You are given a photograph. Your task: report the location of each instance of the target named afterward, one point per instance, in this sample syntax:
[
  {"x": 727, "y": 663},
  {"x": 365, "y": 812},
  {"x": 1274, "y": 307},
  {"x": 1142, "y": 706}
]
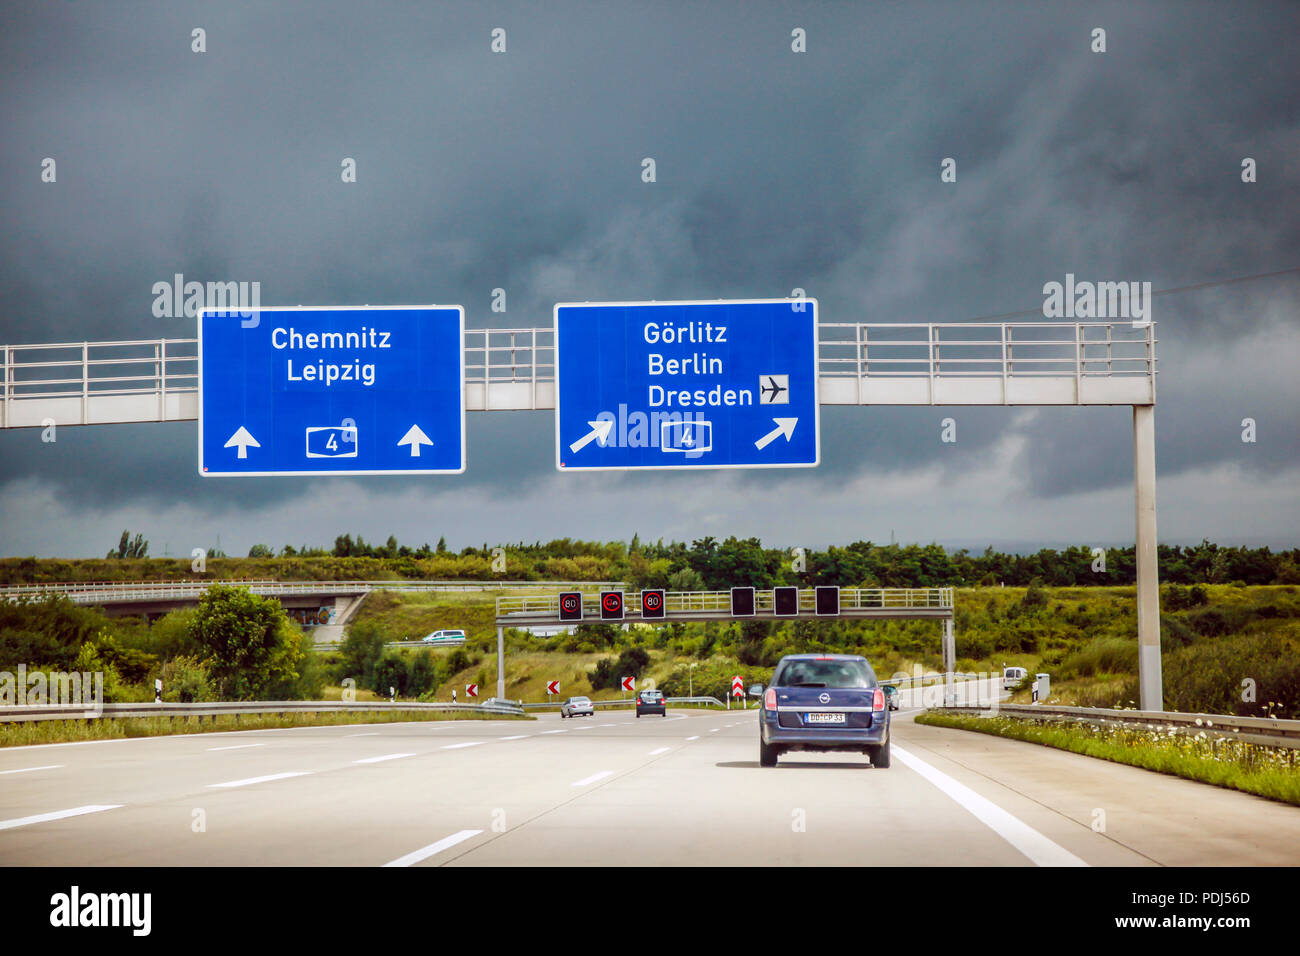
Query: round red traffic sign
[{"x": 612, "y": 601}]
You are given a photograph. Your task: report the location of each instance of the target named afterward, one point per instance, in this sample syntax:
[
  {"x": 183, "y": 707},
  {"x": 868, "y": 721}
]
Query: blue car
[{"x": 824, "y": 702}]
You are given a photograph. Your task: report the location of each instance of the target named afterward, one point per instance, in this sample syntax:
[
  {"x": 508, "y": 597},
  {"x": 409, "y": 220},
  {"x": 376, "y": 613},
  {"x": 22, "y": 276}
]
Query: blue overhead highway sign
[
  {"x": 721, "y": 384},
  {"x": 373, "y": 390}
]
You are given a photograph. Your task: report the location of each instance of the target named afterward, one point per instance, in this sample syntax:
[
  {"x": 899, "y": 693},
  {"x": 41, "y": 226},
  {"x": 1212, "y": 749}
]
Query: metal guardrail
[
  {"x": 82, "y": 592},
  {"x": 712, "y": 701},
  {"x": 987, "y": 349},
  {"x": 1269, "y": 731},
  {"x": 719, "y": 602},
  {"x": 17, "y": 714},
  {"x": 89, "y": 383}
]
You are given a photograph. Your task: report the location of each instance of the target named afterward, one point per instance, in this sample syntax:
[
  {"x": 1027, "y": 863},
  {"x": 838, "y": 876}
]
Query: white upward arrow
[
  {"x": 415, "y": 438},
  {"x": 599, "y": 431},
  {"x": 784, "y": 426},
  {"x": 242, "y": 440}
]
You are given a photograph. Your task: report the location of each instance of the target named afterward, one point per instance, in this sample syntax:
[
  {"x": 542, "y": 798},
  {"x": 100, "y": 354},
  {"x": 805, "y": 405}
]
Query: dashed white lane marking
[
  {"x": 237, "y": 747},
  {"x": 56, "y": 815},
  {"x": 714, "y": 730},
  {"x": 661, "y": 750},
  {"x": 424, "y": 853},
  {"x": 52, "y": 766},
  {"x": 593, "y": 778},
  {"x": 696, "y": 737},
  {"x": 383, "y": 758},
  {"x": 266, "y": 779},
  {"x": 468, "y": 743},
  {"x": 1038, "y": 848},
  {"x": 373, "y": 733},
  {"x": 515, "y": 737},
  {"x": 555, "y": 731}
]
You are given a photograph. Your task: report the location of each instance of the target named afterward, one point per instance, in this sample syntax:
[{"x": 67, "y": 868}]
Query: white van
[{"x": 1011, "y": 676}]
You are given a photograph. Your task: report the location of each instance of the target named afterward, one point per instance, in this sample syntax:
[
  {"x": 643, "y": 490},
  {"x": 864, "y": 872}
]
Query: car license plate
[{"x": 826, "y": 718}]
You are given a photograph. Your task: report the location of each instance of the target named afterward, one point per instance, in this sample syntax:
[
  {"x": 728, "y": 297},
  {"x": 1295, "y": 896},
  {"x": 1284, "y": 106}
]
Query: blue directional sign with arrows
[
  {"x": 374, "y": 390},
  {"x": 721, "y": 384}
]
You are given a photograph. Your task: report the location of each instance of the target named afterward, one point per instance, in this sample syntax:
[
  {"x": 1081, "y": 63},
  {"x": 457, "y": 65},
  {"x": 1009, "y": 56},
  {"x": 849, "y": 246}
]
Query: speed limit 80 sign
[
  {"x": 571, "y": 606},
  {"x": 611, "y": 605}
]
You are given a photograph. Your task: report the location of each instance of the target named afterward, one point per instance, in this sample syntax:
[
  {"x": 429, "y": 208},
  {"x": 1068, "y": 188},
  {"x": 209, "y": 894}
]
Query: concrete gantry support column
[
  {"x": 1150, "y": 685},
  {"x": 501, "y": 662},
  {"x": 949, "y": 663}
]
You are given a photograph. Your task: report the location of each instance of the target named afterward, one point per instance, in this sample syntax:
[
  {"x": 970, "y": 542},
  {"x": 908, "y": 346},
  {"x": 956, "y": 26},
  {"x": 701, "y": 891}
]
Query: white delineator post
[
  {"x": 501, "y": 662},
  {"x": 1150, "y": 685}
]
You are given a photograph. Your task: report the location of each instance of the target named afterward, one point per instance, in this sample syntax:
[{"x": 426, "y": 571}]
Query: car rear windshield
[
  {"x": 580, "y": 700},
  {"x": 828, "y": 673}
]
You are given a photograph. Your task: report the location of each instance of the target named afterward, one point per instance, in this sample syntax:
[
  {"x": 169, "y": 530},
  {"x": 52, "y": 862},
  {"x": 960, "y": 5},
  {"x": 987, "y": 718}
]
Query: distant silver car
[
  {"x": 891, "y": 696},
  {"x": 577, "y": 707}
]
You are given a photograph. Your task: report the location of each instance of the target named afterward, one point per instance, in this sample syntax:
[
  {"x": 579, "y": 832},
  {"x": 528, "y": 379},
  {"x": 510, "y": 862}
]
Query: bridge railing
[
  {"x": 84, "y": 591},
  {"x": 980, "y": 362}
]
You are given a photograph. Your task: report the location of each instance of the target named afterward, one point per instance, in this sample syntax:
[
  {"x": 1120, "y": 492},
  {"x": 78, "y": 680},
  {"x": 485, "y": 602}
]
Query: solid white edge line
[
  {"x": 1039, "y": 849},
  {"x": 56, "y": 815},
  {"x": 383, "y": 758},
  {"x": 424, "y": 853},
  {"x": 269, "y": 777},
  {"x": 593, "y": 778},
  {"x": 661, "y": 750},
  {"x": 53, "y": 766}
]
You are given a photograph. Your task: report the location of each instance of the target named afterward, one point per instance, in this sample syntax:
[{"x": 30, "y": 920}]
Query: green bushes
[
  {"x": 608, "y": 674},
  {"x": 185, "y": 680},
  {"x": 1104, "y": 655},
  {"x": 1251, "y": 675}
]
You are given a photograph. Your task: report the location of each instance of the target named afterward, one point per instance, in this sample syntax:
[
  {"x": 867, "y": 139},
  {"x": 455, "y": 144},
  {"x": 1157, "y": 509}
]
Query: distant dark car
[
  {"x": 824, "y": 702},
  {"x": 651, "y": 702}
]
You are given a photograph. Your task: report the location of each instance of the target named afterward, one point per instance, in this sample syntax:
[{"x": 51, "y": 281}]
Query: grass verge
[
  {"x": 120, "y": 728},
  {"x": 1269, "y": 772}
]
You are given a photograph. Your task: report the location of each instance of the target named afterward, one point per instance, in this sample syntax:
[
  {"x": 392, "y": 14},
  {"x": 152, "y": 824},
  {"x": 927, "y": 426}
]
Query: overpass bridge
[
  {"x": 1046, "y": 363},
  {"x": 325, "y": 605}
]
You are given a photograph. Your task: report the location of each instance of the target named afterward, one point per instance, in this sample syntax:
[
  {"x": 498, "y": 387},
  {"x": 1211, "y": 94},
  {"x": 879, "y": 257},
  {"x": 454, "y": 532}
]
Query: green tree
[
  {"x": 360, "y": 651},
  {"x": 261, "y": 551},
  {"x": 248, "y": 643}
]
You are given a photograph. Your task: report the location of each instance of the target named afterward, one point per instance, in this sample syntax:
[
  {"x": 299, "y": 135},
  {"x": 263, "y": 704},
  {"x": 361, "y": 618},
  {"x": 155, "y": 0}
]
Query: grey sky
[{"x": 775, "y": 170}]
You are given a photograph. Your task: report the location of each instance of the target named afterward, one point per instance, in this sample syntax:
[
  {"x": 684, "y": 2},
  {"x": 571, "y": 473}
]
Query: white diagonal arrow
[
  {"x": 599, "y": 431},
  {"x": 415, "y": 437},
  {"x": 784, "y": 426},
  {"x": 242, "y": 440}
]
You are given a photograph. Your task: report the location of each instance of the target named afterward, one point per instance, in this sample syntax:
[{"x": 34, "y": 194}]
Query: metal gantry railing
[
  {"x": 859, "y": 363},
  {"x": 686, "y": 603}
]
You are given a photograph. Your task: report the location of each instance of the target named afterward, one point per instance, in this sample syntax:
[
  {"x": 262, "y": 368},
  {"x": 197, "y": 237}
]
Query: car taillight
[
  {"x": 769, "y": 699},
  {"x": 878, "y": 703}
]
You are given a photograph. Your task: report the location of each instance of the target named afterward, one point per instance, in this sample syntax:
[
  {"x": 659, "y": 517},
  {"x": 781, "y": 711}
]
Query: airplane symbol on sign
[{"x": 770, "y": 393}]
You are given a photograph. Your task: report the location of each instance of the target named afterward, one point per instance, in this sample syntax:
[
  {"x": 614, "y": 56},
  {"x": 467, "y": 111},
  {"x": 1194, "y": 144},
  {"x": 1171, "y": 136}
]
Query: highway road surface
[{"x": 612, "y": 789}]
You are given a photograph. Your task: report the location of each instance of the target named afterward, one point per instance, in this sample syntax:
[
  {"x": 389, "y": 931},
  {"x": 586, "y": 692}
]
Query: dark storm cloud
[{"x": 775, "y": 170}]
